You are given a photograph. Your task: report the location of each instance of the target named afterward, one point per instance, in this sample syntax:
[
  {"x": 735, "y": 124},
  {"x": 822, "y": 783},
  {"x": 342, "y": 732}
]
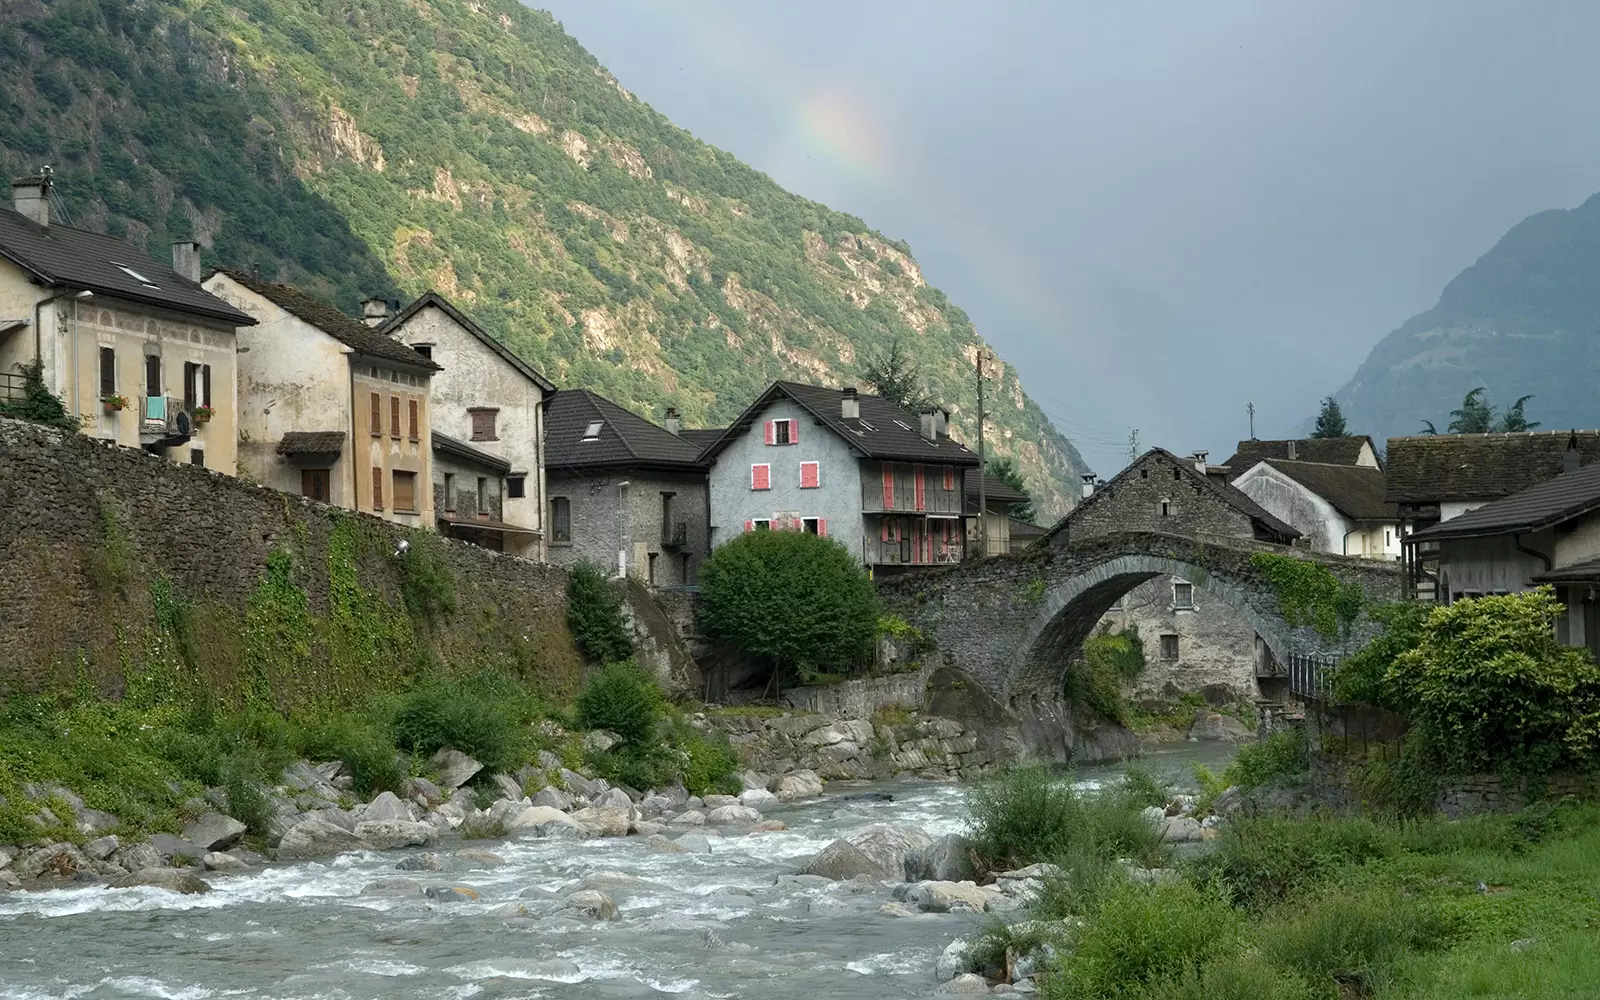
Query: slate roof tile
[
  {"x": 1356, "y": 491},
  {"x": 1429, "y": 468},
  {"x": 622, "y": 439},
  {"x": 353, "y": 333},
  {"x": 1538, "y": 506},
  {"x": 884, "y": 430},
  {"x": 1332, "y": 451}
]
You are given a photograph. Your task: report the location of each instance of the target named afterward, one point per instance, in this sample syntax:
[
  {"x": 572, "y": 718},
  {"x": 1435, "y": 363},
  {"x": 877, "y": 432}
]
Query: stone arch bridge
[{"x": 1013, "y": 624}]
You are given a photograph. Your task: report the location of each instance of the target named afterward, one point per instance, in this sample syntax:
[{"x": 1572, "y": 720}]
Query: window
[
  {"x": 783, "y": 432},
  {"x": 191, "y": 385},
  {"x": 1183, "y": 596},
  {"x": 426, "y": 350},
  {"x": 314, "y": 484},
  {"x": 394, "y": 416},
  {"x": 1385, "y": 537},
  {"x": 761, "y": 477},
  {"x": 1169, "y": 647},
  {"x": 1144, "y": 473},
  {"x": 759, "y": 524},
  {"x": 449, "y": 491},
  {"x": 483, "y": 496},
  {"x": 516, "y": 487},
  {"x": 205, "y": 384},
  {"x": 414, "y": 406},
  {"x": 197, "y": 456},
  {"x": 152, "y": 374},
  {"x": 135, "y": 275},
  {"x": 376, "y": 417},
  {"x": 483, "y": 424},
  {"x": 812, "y": 525},
  {"x": 108, "y": 371},
  {"x": 903, "y": 425},
  {"x": 560, "y": 520},
  {"x": 1167, "y": 508},
  {"x": 1177, "y": 475},
  {"x": 666, "y": 514},
  {"x": 651, "y": 573},
  {"x": 592, "y": 432},
  {"x": 810, "y": 475},
  {"x": 377, "y": 488},
  {"x": 405, "y": 491}
]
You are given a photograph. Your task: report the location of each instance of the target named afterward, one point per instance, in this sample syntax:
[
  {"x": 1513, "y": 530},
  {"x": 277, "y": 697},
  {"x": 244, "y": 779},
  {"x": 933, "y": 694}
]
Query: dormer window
[{"x": 592, "y": 432}]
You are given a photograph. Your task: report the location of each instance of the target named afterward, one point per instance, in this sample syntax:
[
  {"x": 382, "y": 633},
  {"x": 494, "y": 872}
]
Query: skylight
[
  {"x": 592, "y": 432},
  {"x": 135, "y": 275},
  {"x": 870, "y": 427},
  {"x": 903, "y": 425}
]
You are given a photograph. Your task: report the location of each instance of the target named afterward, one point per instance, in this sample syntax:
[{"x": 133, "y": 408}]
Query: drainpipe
[
  {"x": 1345, "y": 544},
  {"x": 350, "y": 367},
  {"x": 1516, "y": 543}
]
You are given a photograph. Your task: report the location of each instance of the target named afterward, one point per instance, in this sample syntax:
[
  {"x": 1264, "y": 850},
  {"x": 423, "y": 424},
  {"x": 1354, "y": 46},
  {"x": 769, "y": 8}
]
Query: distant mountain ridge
[
  {"x": 1524, "y": 319},
  {"x": 359, "y": 147}
]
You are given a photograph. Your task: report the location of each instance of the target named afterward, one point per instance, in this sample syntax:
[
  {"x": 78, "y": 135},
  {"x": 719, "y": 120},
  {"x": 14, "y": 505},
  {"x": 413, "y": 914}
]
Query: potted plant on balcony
[
  {"x": 203, "y": 413},
  {"x": 116, "y": 401}
]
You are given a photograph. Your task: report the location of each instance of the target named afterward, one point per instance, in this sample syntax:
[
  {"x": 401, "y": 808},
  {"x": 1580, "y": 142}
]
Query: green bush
[
  {"x": 622, "y": 698},
  {"x": 1027, "y": 815},
  {"x": 710, "y": 761},
  {"x": 1263, "y": 860},
  {"x": 1110, "y": 660},
  {"x": 367, "y": 750},
  {"x": 1361, "y": 676},
  {"x": 427, "y": 587},
  {"x": 38, "y": 404},
  {"x": 444, "y": 713},
  {"x": 1241, "y": 975},
  {"x": 1278, "y": 758},
  {"x": 594, "y": 615},
  {"x": 796, "y": 601},
  {"x": 1141, "y": 784}
]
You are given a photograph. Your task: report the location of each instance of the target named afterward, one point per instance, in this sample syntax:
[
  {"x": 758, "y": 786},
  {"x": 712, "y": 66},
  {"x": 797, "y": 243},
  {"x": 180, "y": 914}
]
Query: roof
[
  {"x": 439, "y": 302},
  {"x": 702, "y": 438},
  {"x": 352, "y": 333},
  {"x": 884, "y": 431},
  {"x": 460, "y": 449},
  {"x": 1550, "y": 502},
  {"x": 1580, "y": 572},
  {"x": 78, "y": 258},
  {"x": 487, "y": 524},
  {"x": 1023, "y": 529},
  {"x": 623, "y": 437},
  {"x": 1429, "y": 468},
  {"x": 1329, "y": 451},
  {"x": 1228, "y": 494},
  {"x": 995, "y": 491},
  {"x": 311, "y": 443},
  {"x": 1356, "y": 491}
]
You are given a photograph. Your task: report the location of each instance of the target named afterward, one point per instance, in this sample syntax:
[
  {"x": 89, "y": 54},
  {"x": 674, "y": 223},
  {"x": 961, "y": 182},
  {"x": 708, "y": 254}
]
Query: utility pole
[
  {"x": 1133, "y": 444},
  {"x": 983, "y": 465},
  {"x": 1250, "y": 408}
]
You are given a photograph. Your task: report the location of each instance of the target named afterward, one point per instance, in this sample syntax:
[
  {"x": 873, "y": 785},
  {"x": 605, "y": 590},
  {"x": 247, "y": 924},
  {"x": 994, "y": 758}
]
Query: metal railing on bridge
[{"x": 1311, "y": 676}]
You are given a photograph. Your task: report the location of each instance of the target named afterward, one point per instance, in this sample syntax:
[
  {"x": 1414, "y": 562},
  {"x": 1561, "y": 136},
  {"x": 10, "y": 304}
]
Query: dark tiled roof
[
  {"x": 1022, "y": 529},
  {"x": 1428, "y": 468},
  {"x": 625, "y": 439},
  {"x": 995, "y": 491},
  {"x": 1330, "y": 451},
  {"x": 353, "y": 333},
  {"x": 311, "y": 443},
  {"x": 462, "y": 450},
  {"x": 77, "y": 258},
  {"x": 702, "y": 438},
  {"x": 884, "y": 431},
  {"x": 443, "y": 305},
  {"x": 1356, "y": 491},
  {"x": 1580, "y": 572},
  {"x": 1545, "y": 504},
  {"x": 1227, "y": 493}
]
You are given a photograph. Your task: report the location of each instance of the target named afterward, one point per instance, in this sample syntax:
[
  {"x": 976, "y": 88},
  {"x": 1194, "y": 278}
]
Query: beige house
[
  {"x": 137, "y": 349},
  {"x": 491, "y": 400},
  {"x": 328, "y": 407}
]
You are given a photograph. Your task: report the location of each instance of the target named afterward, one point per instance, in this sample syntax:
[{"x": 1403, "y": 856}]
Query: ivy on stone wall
[
  {"x": 367, "y": 638},
  {"x": 280, "y": 631},
  {"x": 1310, "y": 595}
]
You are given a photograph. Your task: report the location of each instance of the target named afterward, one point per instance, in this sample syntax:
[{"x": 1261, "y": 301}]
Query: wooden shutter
[
  {"x": 152, "y": 375},
  {"x": 949, "y": 477},
  {"x": 190, "y": 373},
  {"x": 810, "y": 475},
  {"x": 772, "y": 433},
  {"x": 108, "y": 371},
  {"x": 377, "y": 488},
  {"x": 888, "y": 486},
  {"x": 822, "y": 526},
  {"x": 414, "y": 406},
  {"x": 205, "y": 384},
  {"x": 405, "y": 491},
  {"x": 394, "y": 416},
  {"x": 794, "y": 432},
  {"x": 761, "y": 477},
  {"x": 921, "y": 493},
  {"x": 749, "y": 526},
  {"x": 376, "y": 418}
]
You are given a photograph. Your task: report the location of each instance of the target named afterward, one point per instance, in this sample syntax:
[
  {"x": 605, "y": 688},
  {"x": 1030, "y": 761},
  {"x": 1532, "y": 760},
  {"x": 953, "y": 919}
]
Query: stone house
[
  {"x": 625, "y": 494},
  {"x": 328, "y": 407},
  {"x": 1337, "y": 508},
  {"x": 486, "y": 396},
  {"x": 469, "y": 489},
  {"x": 887, "y": 484},
  {"x": 1192, "y": 644},
  {"x": 1434, "y": 478},
  {"x": 137, "y": 349},
  {"x": 1547, "y": 534}
]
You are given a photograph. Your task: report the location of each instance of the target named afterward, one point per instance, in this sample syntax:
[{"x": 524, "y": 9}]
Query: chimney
[
  {"x": 1088, "y": 485},
  {"x": 672, "y": 424},
  {"x": 376, "y": 312},
  {"x": 1199, "y": 459},
  {"x": 1569, "y": 461},
  {"x": 850, "y": 404},
  {"x": 930, "y": 426},
  {"x": 186, "y": 259},
  {"x": 1294, "y": 451},
  {"x": 941, "y": 422},
  {"x": 30, "y": 196}
]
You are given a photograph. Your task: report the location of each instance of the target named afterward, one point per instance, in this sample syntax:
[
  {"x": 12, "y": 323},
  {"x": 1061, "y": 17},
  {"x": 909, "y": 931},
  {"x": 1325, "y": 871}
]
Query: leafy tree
[
  {"x": 623, "y": 699},
  {"x": 1006, "y": 469},
  {"x": 594, "y": 615},
  {"x": 796, "y": 601},
  {"x": 1476, "y": 415},
  {"x": 38, "y": 404},
  {"x": 1428, "y": 428},
  {"x": 894, "y": 374},
  {"x": 1513, "y": 420},
  {"x": 1330, "y": 422}
]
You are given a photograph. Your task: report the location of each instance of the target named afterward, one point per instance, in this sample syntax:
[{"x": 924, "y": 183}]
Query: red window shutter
[
  {"x": 888, "y": 486},
  {"x": 761, "y": 477},
  {"x": 822, "y": 526},
  {"x": 883, "y": 530},
  {"x": 749, "y": 526},
  {"x": 772, "y": 435},
  {"x": 794, "y": 432},
  {"x": 949, "y": 477},
  {"x": 921, "y": 491},
  {"x": 810, "y": 475}
]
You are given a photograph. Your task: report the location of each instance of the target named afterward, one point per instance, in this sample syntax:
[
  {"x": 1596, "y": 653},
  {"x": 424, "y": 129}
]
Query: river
[{"x": 720, "y": 925}]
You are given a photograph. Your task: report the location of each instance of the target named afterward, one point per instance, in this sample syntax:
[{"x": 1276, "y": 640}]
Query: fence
[{"x": 1311, "y": 677}]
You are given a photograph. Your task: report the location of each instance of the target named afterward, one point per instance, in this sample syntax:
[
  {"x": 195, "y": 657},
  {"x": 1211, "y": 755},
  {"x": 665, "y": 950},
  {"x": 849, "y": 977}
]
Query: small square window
[
  {"x": 1169, "y": 647},
  {"x": 197, "y": 457},
  {"x": 1183, "y": 596},
  {"x": 483, "y": 420},
  {"x": 780, "y": 432},
  {"x": 426, "y": 350},
  {"x": 592, "y": 432},
  {"x": 516, "y": 487}
]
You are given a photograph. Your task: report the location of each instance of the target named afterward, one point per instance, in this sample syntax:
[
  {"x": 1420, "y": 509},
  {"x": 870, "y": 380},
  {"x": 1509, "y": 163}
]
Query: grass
[{"x": 1030, "y": 814}]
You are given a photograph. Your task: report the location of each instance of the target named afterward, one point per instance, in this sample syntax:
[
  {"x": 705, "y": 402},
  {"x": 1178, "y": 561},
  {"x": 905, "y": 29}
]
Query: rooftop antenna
[{"x": 1250, "y": 408}]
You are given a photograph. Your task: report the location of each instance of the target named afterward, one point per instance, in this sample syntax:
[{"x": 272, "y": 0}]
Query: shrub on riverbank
[{"x": 1030, "y": 814}]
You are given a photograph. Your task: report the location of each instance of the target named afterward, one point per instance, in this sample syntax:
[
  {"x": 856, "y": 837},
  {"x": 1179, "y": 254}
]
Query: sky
[{"x": 1159, "y": 212}]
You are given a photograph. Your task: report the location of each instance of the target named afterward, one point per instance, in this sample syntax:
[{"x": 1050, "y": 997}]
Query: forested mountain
[
  {"x": 390, "y": 146},
  {"x": 1524, "y": 319}
]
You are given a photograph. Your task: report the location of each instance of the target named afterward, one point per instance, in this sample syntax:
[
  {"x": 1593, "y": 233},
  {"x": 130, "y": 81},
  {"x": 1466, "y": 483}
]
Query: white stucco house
[{"x": 1336, "y": 508}]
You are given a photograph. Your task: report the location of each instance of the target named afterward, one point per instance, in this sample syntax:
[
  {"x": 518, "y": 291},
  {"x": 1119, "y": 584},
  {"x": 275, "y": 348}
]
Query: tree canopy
[
  {"x": 1477, "y": 416},
  {"x": 1006, "y": 469},
  {"x": 1330, "y": 422},
  {"x": 893, "y": 373}
]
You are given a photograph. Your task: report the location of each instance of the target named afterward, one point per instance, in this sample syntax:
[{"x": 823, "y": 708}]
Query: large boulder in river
[
  {"x": 947, "y": 859},
  {"x": 1209, "y": 725},
  {"x": 317, "y": 838},
  {"x": 842, "y": 861},
  {"x": 387, "y": 806},
  {"x": 942, "y": 897},
  {"x": 734, "y": 815},
  {"x": 214, "y": 832},
  {"x": 897, "y": 850},
  {"x": 553, "y": 798},
  {"x": 58, "y": 860},
  {"x": 757, "y": 798},
  {"x": 179, "y": 880},
  {"x": 802, "y": 784},
  {"x": 388, "y": 834},
  {"x": 592, "y": 904},
  {"x": 454, "y": 767},
  {"x": 605, "y": 821},
  {"x": 543, "y": 821}
]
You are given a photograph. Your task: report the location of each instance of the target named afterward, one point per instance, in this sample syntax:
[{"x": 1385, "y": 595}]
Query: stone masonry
[{"x": 855, "y": 748}]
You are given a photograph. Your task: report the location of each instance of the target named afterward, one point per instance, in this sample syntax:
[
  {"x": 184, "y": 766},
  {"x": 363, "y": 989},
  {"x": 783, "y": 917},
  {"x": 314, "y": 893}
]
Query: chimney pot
[
  {"x": 375, "y": 312},
  {"x": 941, "y": 423},
  {"x": 850, "y": 404},
  {"x": 1570, "y": 461},
  {"x": 672, "y": 423},
  {"x": 30, "y": 196},
  {"x": 186, "y": 259},
  {"x": 1088, "y": 485},
  {"x": 1200, "y": 461}
]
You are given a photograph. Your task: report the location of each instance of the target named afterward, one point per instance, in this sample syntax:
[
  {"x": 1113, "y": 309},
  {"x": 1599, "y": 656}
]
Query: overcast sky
[{"x": 1157, "y": 211}]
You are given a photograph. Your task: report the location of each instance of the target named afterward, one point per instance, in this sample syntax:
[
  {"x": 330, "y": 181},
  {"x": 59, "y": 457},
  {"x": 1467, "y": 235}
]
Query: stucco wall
[
  {"x": 1322, "y": 525},
  {"x": 837, "y": 499}
]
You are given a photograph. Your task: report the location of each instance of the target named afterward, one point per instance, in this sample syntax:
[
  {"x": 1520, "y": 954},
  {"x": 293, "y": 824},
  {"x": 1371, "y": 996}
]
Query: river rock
[
  {"x": 1228, "y": 802},
  {"x": 734, "y": 815},
  {"x": 612, "y": 798},
  {"x": 664, "y": 844},
  {"x": 138, "y": 857},
  {"x": 769, "y": 826},
  {"x": 173, "y": 848},
  {"x": 453, "y": 767},
  {"x": 654, "y": 805},
  {"x": 179, "y": 880},
  {"x": 896, "y": 910},
  {"x": 592, "y": 904},
  {"x": 451, "y": 893},
  {"x": 942, "y": 897},
  {"x": 422, "y": 789},
  {"x": 1209, "y": 725},
  {"x": 507, "y": 785},
  {"x": 609, "y": 882},
  {"x": 425, "y": 862},
  {"x": 99, "y": 849},
  {"x": 578, "y": 784},
  {"x": 645, "y": 828},
  {"x": 749, "y": 780},
  {"x": 214, "y": 832},
  {"x": 694, "y": 843},
  {"x": 896, "y": 849},
  {"x": 604, "y": 821},
  {"x": 967, "y": 982},
  {"x": 477, "y": 857},
  {"x": 718, "y": 801},
  {"x": 391, "y": 887},
  {"x": 6, "y": 854},
  {"x": 833, "y": 732},
  {"x": 317, "y": 838},
  {"x": 543, "y": 821},
  {"x": 58, "y": 860},
  {"x": 333, "y": 815},
  {"x": 842, "y": 860},
  {"x": 757, "y": 798},
  {"x": 689, "y": 817},
  {"x": 387, "y": 807},
  {"x": 9, "y": 881},
  {"x": 386, "y": 835},
  {"x": 1180, "y": 830},
  {"x": 796, "y": 785},
  {"x": 953, "y": 961},
  {"x": 553, "y": 798},
  {"x": 218, "y": 861},
  {"x": 947, "y": 859}
]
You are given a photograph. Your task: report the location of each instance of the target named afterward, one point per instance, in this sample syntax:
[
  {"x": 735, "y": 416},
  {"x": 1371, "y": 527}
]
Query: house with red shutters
[{"x": 887, "y": 484}]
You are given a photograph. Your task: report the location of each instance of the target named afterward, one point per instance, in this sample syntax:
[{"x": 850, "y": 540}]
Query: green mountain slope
[
  {"x": 1525, "y": 318},
  {"x": 390, "y": 146}
]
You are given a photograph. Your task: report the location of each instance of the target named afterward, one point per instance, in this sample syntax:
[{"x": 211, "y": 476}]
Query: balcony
[{"x": 675, "y": 534}]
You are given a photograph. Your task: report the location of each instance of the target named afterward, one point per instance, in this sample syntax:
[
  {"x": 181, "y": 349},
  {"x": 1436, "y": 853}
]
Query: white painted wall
[{"x": 1324, "y": 527}]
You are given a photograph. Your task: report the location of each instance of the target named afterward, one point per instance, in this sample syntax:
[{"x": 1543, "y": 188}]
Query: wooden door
[{"x": 314, "y": 484}]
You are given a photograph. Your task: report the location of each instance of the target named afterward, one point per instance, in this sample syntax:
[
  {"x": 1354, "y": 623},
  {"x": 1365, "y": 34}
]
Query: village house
[
  {"x": 1547, "y": 534},
  {"x": 1336, "y": 508},
  {"x": 329, "y": 407},
  {"x": 625, "y": 494},
  {"x": 1192, "y": 643},
  {"x": 485, "y": 402},
  {"x": 887, "y": 484},
  {"x": 137, "y": 349},
  {"x": 1435, "y": 478},
  {"x": 997, "y": 524}
]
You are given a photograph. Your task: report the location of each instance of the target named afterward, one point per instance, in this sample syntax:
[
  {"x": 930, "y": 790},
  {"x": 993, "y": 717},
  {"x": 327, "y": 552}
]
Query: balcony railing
[{"x": 675, "y": 534}]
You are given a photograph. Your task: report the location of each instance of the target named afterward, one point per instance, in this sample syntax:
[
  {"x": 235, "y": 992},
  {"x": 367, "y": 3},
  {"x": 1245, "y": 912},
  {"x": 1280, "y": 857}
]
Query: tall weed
[{"x": 1262, "y": 861}]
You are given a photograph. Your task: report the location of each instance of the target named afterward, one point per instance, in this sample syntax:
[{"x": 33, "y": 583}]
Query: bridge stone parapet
[{"x": 1015, "y": 623}]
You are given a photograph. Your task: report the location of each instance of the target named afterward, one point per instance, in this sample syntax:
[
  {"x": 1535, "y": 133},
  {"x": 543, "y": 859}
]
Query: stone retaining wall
[
  {"x": 1489, "y": 793},
  {"x": 862, "y": 696},
  {"x": 855, "y": 748}
]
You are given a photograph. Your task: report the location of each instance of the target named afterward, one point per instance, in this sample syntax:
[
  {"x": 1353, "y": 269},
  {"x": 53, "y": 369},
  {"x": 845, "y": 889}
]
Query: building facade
[
  {"x": 135, "y": 348},
  {"x": 329, "y": 408},
  {"x": 1339, "y": 509}
]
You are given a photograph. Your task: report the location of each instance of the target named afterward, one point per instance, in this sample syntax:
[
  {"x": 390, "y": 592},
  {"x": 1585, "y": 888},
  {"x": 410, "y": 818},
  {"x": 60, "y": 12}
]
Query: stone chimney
[
  {"x": 672, "y": 424},
  {"x": 376, "y": 312},
  {"x": 930, "y": 426},
  {"x": 941, "y": 423},
  {"x": 1199, "y": 459},
  {"x": 186, "y": 259},
  {"x": 1088, "y": 485},
  {"x": 1294, "y": 451},
  {"x": 1570, "y": 461},
  {"x": 30, "y": 196},
  {"x": 850, "y": 404}
]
